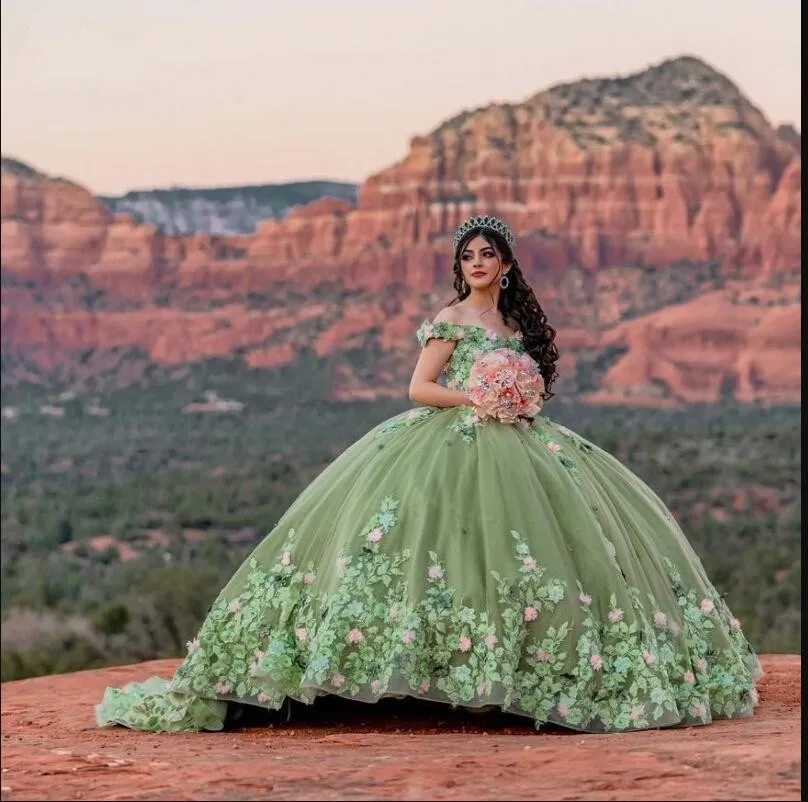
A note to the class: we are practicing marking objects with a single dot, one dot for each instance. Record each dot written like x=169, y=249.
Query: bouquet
x=506, y=386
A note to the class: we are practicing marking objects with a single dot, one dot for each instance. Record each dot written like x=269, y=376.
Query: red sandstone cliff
x=658, y=202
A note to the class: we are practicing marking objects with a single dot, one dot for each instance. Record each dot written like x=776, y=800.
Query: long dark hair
x=517, y=304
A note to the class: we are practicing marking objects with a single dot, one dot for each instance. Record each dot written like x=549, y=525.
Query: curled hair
x=517, y=304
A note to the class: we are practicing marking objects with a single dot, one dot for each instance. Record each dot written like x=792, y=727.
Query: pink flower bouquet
x=506, y=386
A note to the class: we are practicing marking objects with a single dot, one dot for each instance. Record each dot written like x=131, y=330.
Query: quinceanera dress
x=471, y=564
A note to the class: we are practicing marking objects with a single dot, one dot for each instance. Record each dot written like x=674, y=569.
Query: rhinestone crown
x=484, y=221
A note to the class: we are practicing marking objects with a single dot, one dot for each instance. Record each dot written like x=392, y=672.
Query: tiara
x=485, y=221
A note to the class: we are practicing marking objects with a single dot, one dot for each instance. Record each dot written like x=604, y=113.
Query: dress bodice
x=472, y=341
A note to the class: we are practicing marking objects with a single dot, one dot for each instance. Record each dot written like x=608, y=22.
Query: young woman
x=458, y=558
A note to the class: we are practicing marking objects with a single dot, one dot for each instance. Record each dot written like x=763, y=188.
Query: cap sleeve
x=439, y=331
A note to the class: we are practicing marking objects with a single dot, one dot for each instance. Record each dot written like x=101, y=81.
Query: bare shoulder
x=449, y=314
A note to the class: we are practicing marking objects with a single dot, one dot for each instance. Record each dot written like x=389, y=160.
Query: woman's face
x=481, y=263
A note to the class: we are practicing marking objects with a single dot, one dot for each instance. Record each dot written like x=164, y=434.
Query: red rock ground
x=51, y=749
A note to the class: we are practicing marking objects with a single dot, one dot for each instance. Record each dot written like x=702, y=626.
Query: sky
x=128, y=95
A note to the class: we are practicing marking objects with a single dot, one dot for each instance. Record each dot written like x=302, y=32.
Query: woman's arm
x=424, y=387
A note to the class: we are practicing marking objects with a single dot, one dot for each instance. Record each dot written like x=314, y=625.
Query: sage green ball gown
x=473, y=564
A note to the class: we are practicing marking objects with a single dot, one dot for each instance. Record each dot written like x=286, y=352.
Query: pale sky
x=125, y=94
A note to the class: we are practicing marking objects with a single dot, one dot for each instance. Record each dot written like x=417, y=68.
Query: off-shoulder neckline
x=513, y=335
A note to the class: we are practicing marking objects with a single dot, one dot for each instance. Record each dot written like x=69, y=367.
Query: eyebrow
x=485, y=248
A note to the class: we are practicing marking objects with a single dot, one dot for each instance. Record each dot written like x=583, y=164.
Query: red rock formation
x=52, y=750
x=672, y=164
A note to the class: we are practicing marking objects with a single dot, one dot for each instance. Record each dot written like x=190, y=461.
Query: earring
x=504, y=282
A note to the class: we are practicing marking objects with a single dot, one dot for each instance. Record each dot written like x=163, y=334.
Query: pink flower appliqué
x=636, y=713
x=464, y=643
x=585, y=599
x=649, y=657
x=342, y=564
x=192, y=645
x=554, y=447
x=698, y=710
x=563, y=710
x=596, y=661
x=302, y=634
x=423, y=686
x=234, y=606
x=530, y=613
x=491, y=641
x=734, y=623
x=701, y=665
x=543, y=656
x=689, y=677
x=355, y=636
x=286, y=558
x=338, y=680
x=707, y=606
x=262, y=698
x=529, y=563
x=223, y=688
x=375, y=535
x=435, y=572
x=309, y=578
x=615, y=615
x=376, y=686
x=408, y=636
x=660, y=619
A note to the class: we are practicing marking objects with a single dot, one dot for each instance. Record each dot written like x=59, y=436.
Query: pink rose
x=529, y=563
x=192, y=645
x=689, y=677
x=355, y=636
x=734, y=623
x=585, y=599
x=596, y=661
x=309, y=578
x=707, y=606
x=543, y=656
x=342, y=564
x=636, y=713
x=223, y=688
x=660, y=619
x=554, y=447
x=301, y=634
x=408, y=636
x=464, y=644
x=376, y=686
x=286, y=558
x=423, y=686
x=435, y=572
x=562, y=709
x=615, y=615
x=234, y=606
x=701, y=665
x=338, y=680
x=491, y=641
x=698, y=711
x=375, y=535
x=262, y=698
x=649, y=657
x=530, y=613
